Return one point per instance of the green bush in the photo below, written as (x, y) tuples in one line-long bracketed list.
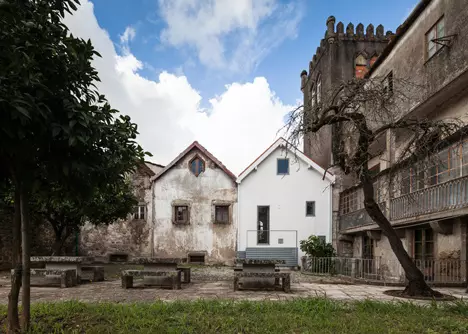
[(316, 247)]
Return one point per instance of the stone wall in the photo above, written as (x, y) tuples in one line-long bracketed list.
[(131, 237)]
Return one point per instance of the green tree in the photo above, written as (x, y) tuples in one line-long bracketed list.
[(55, 125)]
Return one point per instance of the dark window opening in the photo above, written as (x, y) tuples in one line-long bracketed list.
[(118, 258), (196, 259), (181, 214), (423, 244), (310, 209), (388, 85), (283, 166), (197, 166), (263, 225), (322, 238), (222, 214)]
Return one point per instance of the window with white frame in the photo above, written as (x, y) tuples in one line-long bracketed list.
[(437, 31), (319, 90), (282, 167), (139, 212)]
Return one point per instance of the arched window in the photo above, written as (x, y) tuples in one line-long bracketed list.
[(197, 166), (319, 90)]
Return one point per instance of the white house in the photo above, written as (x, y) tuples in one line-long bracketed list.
[(195, 206), (283, 197)]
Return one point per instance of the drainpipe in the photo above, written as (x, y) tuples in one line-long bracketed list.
[(153, 218), (331, 213), (238, 220)]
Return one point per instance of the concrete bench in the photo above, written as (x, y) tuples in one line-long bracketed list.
[(128, 275), (187, 274), (285, 278), (97, 272), (67, 276)]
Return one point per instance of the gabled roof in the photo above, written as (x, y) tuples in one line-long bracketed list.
[(281, 142), (195, 145)]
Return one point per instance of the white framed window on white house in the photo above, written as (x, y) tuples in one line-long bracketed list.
[(282, 167), (437, 31), (322, 238), (139, 212), (310, 209)]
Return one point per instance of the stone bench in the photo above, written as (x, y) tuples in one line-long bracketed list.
[(97, 272), (128, 275), (67, 276), (187, 274), (285, 278)]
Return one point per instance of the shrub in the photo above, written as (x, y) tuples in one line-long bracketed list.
[(316, 247)]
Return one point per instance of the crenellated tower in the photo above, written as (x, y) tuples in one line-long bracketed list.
[(341, 56)]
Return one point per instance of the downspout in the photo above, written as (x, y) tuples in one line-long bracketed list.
[(331, 212), (238, 220), (153, 217)]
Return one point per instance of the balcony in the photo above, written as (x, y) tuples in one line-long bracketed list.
[(358, 218), (449, 195), (439, 198)]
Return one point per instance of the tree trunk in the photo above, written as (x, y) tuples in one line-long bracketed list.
[(417, 286), (58, 243), (13, 319), (25, 243)]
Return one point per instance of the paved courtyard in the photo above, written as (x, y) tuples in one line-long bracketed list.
[(207, 283)]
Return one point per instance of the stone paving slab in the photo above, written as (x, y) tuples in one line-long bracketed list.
[(110, 291)]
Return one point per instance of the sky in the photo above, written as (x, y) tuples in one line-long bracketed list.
[(222, 72)]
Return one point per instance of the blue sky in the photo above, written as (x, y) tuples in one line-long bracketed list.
[(281, 66), (223, 72)]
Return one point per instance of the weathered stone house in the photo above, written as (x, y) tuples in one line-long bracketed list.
[(427, 204), (131, 237), (195, 203)]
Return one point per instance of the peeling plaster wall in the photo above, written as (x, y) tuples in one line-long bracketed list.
[(449, 246), (131, 237), (201, 234)]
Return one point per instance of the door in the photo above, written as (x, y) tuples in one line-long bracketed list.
[(263, 225)]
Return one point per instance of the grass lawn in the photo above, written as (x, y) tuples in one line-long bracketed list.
[(298, 316)]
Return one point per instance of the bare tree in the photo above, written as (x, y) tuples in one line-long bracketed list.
[(362, 113)]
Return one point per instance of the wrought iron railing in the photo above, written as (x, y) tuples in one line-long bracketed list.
[(449, 195), (447, 271)]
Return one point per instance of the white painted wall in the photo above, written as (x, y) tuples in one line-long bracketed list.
[(179, 184), (286, 196)]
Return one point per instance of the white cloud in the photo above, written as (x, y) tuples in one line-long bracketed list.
[(240, 124), (128, 35), (251, 28)]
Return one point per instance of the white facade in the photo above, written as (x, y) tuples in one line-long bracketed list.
[(286, 197), (201, 235)]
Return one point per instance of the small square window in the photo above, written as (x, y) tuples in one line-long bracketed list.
[(181, 214), (222, 214), (139, 212), (310, 209), (322, 238), (283, 166)]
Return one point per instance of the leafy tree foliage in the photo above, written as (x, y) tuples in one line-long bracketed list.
[(57, 131)]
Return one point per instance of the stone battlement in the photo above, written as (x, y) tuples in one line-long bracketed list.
[(337, 33)]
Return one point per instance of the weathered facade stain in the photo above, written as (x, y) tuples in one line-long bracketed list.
[(130, 237), (200, 193)]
